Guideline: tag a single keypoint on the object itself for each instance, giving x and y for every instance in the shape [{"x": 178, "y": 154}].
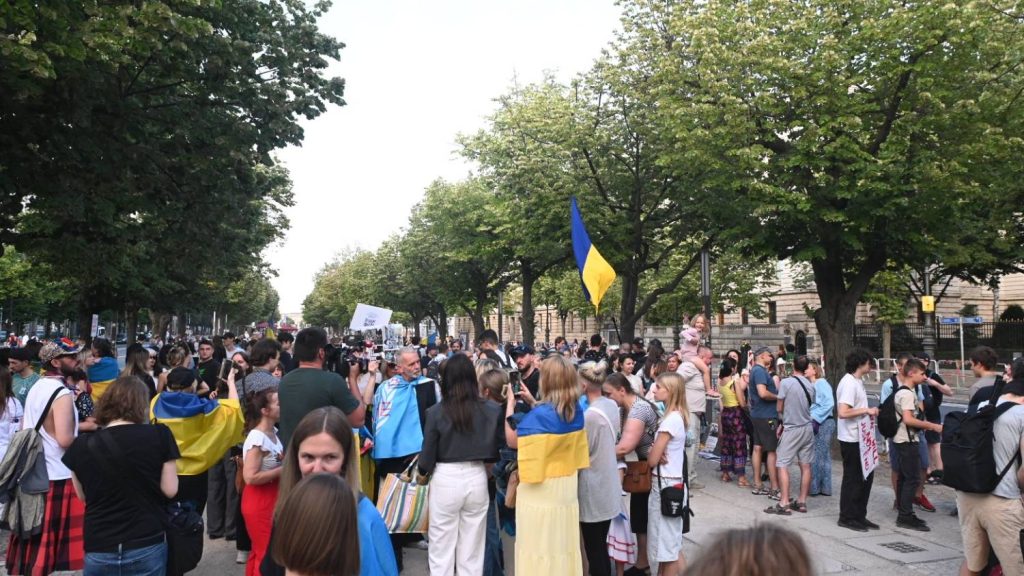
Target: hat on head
[
  {"x": 923, "y": 356},
  {"x": 56, "y": 349},
  {"x": 762, "y": 350},
  {"x": 180, "y": 378},
  {"x": 22, "y": 354},
  {"x": 523, "y": 350}
]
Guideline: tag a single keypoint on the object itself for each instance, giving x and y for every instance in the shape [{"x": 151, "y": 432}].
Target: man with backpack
[
  {"x": 888, "y": 387},
  {"x": 797, "y": 441},
  {"x": 907, "y": 442},
  {"x": 993, "y": 520}
]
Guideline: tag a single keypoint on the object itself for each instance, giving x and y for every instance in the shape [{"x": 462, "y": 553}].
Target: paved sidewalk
[
  {"x": 721, "y": 506},
  {"x": 883, "y": 552}
]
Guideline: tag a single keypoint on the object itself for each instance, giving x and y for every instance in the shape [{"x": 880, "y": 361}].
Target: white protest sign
[
  {"x": 370, "y": 318},
  {"x": 868, "y": 445}
]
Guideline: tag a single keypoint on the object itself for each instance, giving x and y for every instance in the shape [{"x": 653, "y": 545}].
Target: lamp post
[{"x": 928, "y": 307}]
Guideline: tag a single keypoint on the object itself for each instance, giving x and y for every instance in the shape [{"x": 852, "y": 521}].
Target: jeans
[
  {"x": 494, "y": 555},
  {"x": 910, "y": 478},
  {"x": 147, "y": 561},
  {"x": 821, "y": 469},
  {"x": 855, "y": 491}
]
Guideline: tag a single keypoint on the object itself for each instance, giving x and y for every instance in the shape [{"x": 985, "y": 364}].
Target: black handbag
[
  {"x": 183, "y": 524},
  {"x": 673, "y": 499}
]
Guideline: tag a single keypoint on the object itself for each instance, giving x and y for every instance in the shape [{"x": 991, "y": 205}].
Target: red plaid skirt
[{"x": 59, "y": 546}]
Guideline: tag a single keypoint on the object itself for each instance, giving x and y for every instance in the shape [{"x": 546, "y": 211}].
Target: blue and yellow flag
[
  {"x": 595, "y": 272},
  {"x": 101, "y": 375},
  {"x": 204, "y": 429},
  {"x": 550, "y": 447}
]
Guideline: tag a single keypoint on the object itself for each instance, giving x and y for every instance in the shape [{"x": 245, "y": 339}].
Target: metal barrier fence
[{"x": 1006, "y": 338}]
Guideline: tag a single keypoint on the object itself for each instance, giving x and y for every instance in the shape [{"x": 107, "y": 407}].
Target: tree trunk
[
  {"x": 416, "y": 328},
  {"x": 528, "y": 320},
  {"x": 85, "y": 323},
  {"x": 627, "y": 314},
  {"x": 477, "y": 315},
  {"x": 563, "y": 316},
  {"x": 131, "y": 324},
  {"x": 886, "y": 340}
]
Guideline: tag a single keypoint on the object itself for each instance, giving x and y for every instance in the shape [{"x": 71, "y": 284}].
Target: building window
[
  {"x": 773, "y": 313},
  {"x": 744, "y": 319}
]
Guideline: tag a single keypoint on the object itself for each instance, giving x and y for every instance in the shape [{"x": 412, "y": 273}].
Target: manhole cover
[{"x": 903, "y": 547}]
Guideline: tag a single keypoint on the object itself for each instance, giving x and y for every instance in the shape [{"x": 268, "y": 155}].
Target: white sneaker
[{"x": 242, "y": 557}]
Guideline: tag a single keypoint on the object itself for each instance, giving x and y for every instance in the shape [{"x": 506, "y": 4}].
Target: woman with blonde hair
[
  {"x": 764, "y": 549},
  {"x": 552, "y": 449},
  {"x": 664, "y": 544}
]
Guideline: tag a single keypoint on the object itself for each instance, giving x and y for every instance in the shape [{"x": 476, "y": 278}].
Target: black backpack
[
  {"x": 888, "y": 420},
  {"x": 968, "y": 455}
]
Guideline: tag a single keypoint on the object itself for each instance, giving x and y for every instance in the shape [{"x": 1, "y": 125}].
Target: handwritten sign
[
  {"x": 868, "y": 445},
  {"x": 369, "y": 317}
]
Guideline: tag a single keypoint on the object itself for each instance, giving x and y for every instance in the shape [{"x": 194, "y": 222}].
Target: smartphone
[
  {"x": 516, "y": 380},
  {"x": 224, "y": 368}
]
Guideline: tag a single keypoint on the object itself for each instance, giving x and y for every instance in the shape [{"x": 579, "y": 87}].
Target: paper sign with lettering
[
  {"x": 370, "y": 317},
  {"x": 868, "y": 445}
]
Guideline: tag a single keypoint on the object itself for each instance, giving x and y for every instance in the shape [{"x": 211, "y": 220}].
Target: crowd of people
[{"x": 585, "y": 455}]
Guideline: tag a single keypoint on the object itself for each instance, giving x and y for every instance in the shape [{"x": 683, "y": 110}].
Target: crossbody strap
[
  {"x": 46, "y": 410},
  {"x": 807, "y": 394}
]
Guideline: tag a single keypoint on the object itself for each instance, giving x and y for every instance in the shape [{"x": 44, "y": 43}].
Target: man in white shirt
[{"x": 852, "y": 401}]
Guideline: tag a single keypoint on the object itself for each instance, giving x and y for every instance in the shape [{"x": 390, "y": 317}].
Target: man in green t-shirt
[
  {"x": 22, "y": 374},
  {"x": 309, "y": 386}
]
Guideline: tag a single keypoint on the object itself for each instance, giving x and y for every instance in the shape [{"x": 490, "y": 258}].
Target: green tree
[
  {"x": 855, "y": 131},
  {"x": 523, "y": 158}
]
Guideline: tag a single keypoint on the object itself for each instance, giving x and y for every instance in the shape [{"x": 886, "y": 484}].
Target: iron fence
[{"x": 1006, "y": 338}]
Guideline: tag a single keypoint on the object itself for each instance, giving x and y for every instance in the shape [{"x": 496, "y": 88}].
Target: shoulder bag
[{"x": 637, "y": 479}]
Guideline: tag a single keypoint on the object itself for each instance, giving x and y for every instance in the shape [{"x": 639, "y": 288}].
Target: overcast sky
[{"x": 417, "y": 74}]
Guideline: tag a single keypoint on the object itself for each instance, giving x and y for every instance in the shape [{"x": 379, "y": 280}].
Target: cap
[
  {"x": 762, "y": 350},
  {"x": 522, "y": 350},
  {"x": 180, "y": 378},
  {"x": 56, "y": 349},
  {"x": 22, "y": 354},
  {"x": 923, "y": 356}
]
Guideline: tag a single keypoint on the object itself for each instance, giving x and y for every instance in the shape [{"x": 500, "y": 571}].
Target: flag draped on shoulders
[
  {"x": 397, "y": 430},
  {"x": 203, "y": 429},
  {"x": 550, "y": 447},
  {"x": 101, "y": 375}
]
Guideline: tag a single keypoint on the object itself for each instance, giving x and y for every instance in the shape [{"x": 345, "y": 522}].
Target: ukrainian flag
[
  {"x": 595, "y": 272},
  {"x": 550, "y": 447},
  {"x": 101, "y": 375},
  {"x": 203, "y": 429}
]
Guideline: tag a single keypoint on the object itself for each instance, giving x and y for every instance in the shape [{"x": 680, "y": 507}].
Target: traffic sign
[{"x": 966, "y": 320}]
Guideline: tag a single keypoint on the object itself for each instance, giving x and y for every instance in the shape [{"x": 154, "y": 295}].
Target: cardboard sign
[{"x": 370, "y": 318}]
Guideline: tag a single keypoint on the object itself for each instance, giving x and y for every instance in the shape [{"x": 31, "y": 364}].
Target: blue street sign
[{"x": 966, "y": 319}]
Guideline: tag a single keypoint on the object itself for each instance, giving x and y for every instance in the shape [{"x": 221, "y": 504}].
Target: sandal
[
  {"x": 778, "y": 509},
  {"x": 726, "y": 478},
  {"x": 760, "y": 491},
  {"x": 742, "y": 482},
  {"x": 798, "y": 507},
  {"x": 775, "y": 494}
]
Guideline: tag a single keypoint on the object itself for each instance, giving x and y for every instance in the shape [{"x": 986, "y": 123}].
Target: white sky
[{"x": 417, "y": 74}]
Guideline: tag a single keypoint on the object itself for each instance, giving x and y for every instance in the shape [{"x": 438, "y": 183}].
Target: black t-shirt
[
  {"x": 287, "y": 362},
  {"x": 532, "y": 383},
  {"x": 208, "y": 372},
  {"x": 113, "y": 517}
]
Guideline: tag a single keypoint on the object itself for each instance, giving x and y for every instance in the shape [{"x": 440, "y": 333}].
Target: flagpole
[{"x": 616, "y": 325}]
